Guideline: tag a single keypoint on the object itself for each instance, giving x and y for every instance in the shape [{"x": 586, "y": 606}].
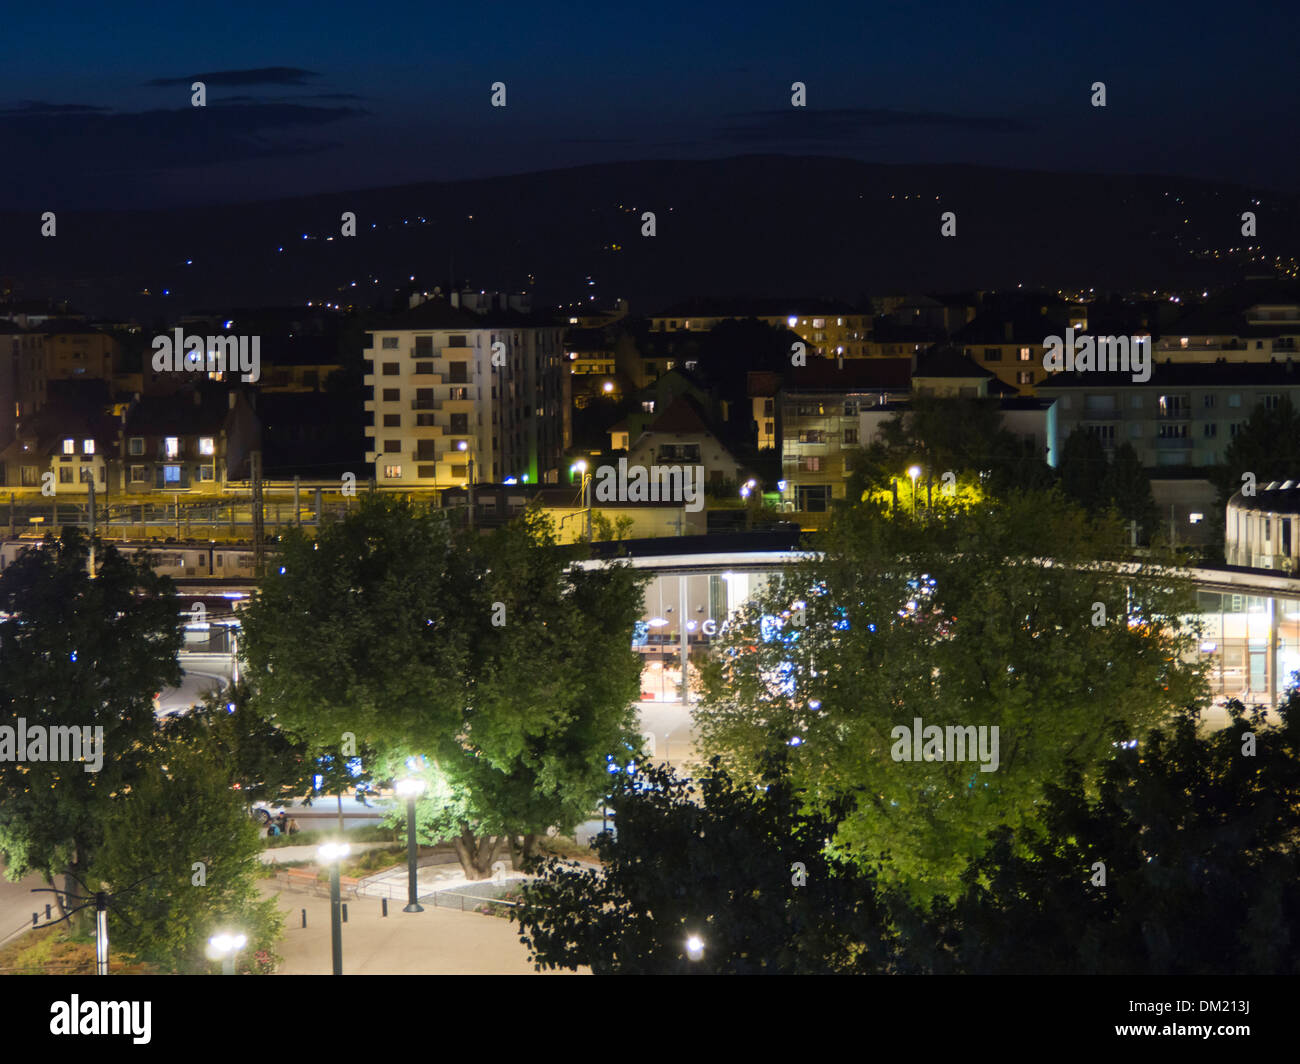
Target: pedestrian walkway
[
  {"x": 434, "y": 872},
  {"x": 434, "y": 942},
  {"x": 288, "y": 854}
]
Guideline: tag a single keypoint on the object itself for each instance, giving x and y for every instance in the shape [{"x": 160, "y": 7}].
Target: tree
[
  {"x": 1128, "y": 488},
  {"x": 180, "y": 855},
  {"x": 84, "y": 653},
  {"x": 265, "y": 764},
  {"x": 1007, "y": 615},
  {"x": 742, "y": 868},
  {"x": 1267, "y": 445},
  {"x": 1182, "y": 863},
  {"x": 1084, "y": 469},
  {"x": 958, "y": 435},
  {"x": 509, "y": 674}
]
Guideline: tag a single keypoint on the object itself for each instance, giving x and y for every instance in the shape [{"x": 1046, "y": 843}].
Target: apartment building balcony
[
  {"x": 1174, "y": 444},
  {"x": 424, "y": 404}
]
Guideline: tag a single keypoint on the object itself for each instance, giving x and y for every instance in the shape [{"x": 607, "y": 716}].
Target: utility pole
[
  {"x": 255, "y": 476},
  {"x": 88, "y": 475}
]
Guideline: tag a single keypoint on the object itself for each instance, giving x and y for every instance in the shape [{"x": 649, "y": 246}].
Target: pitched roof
[
  {"x": 682, "y": 416},
  {"x": 947, "y": 362}
]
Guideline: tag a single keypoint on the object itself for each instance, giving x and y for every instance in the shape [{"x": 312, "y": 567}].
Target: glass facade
[{"x": 1252, "y": 642}]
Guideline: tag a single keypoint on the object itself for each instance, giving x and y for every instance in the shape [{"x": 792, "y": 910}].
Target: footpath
[{"x": 441, "y": 940}]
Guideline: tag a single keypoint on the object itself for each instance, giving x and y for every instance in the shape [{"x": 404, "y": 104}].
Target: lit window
[
  {"x": 207, "y": 445},
  {"x": 392, "y": 472},
  {"x": 69, "y": 446},
  {"x": 136, "y": 445},
  {"x": 172, "y": 446},
  {"x": 171, "y": 474},
  {"x": 87, "y": 446}
]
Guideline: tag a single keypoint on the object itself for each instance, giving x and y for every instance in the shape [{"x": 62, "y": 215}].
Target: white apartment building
[{"x": 455, "y": 390}]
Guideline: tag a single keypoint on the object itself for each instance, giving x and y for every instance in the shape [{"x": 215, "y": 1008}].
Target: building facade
[
  {"x": 455, "y": 389},
  {"x": 1185, "y": 415}
]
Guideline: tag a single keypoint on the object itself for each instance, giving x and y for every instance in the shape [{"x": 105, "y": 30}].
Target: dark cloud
[
  {"x": 40, "y": 107},
  {"x": 258, "y": 76},
  {"x": 809, "y": 125},
  {"x": 98, "y": 141}
]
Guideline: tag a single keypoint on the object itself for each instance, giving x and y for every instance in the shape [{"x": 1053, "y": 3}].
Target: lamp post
[
  {"x": 746, "y": 490},
  {"x": 331, "y": 853},
  {"x": 223, "y": 947},
  {"x": 914, "y": 472},
  {"x": 580, "y": 466},
  {"x": 463, "y": 445},
  {"x": 411, "y": 788}
]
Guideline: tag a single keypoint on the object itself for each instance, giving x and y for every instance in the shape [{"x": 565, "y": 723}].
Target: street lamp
[
  {"x": 411, "y": 789},
  {"x": 580, "y": 466},
  {"x": 694, "y": 947},
  {"x": 914, "y": 472},
  {"x": 223, "y": 947},
  {"x": 331, "y": 853},
  {"x": 463, "y": 445}
]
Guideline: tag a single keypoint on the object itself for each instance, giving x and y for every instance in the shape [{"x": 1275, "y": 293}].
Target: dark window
[
  {"x": 992, "y": 354},
  {"x": 424, "y": 347},
  {"x": 392, "y": 395},
  {"x": 392, "y": 447},
  {"x": 459, "y": 424},
  {"x": 391, "y": 369},
  {"x": 392, "y": 421},
  {"x": 423, "y": 368},
  {"x": 458, "y": 372},
  {"x": 426, "y": 450},
  {"x": 458, "y": 341},
  {"x": 426, "y": 472}
]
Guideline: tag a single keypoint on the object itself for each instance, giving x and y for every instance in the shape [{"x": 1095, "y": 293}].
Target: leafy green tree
[
  {"x": 1084, "y": 469},
  {"x": 605, "y": 530},
  {"x": 1268, "y": 445},
  {"x": 510, "y": 674},
  {"x": 743, "y": 868},
  {"x": 1128, "y": 488},
  {"x": 182, "y": 852},
  {"x": 1005, "y": 615},
  {"x": 265, "y": 764},
  {"x": 959, "y": 435},
  {"x": 78, "y": 652},
  {"x": 1196, "y": 840}
]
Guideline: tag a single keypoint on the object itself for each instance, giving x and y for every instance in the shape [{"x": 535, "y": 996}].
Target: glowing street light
[
  {"x": 331, "y": 853},
  {"x": 223, "y": 947},
  {"x": 694, "y": 947},
  {"x": 411, "y": 789},
  {"x": 580, "y": 466},
  {"x": 914, "y": 472}
]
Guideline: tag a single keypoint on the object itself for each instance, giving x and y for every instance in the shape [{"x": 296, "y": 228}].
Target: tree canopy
[
  {"x": 508, "y": 672},
  {"x": 1006, "y": 615}
]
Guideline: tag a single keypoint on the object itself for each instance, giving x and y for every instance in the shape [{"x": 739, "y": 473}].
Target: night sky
[{"x": 322, "y": 97}]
